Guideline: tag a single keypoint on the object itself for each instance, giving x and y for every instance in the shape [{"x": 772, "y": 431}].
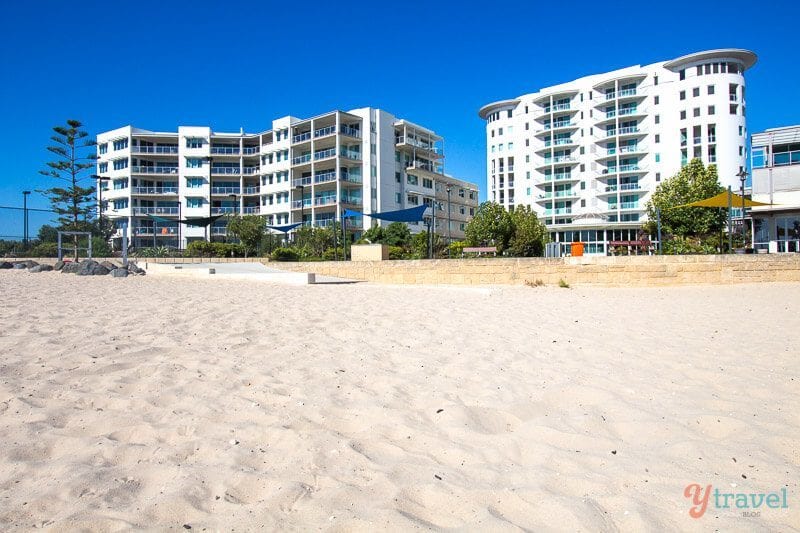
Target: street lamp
[
  {"x": 210, "y": 203},
  {"x": 233, "y": 199},
  {"x": 25, "y": 217},
  {"x": 100, "y": 180},
  {"x": 742, "y": 175}
]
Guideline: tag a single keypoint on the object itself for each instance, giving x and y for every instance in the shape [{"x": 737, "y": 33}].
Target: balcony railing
[
  {"x": 159, "y": 231},
  {"x": 225, "y": 190},
  {"x": 627, "y": 111},
  {"x": 558, "y": 176},
  {"x": 225, "y": 150},
  {"x": 301, "y": 181},
  {"x": 324, "y": 200},
  {"x": 250, "y": 150},
  {"x": 226, "y": 170},
  {"x": 172, "y": 149},
  {"x": 155, "y": 190},
  {"x": 300, "y": 137},
  {"x": 219, "y": 230},
  {"x": 698, "y": 140},
  {"x": 251, "y": 210},
  {"x": 155, "y": 211},
  {"x": 351, "y": 131},
  {"x": 557, "y": 107},
  {"x": 224, "y": 210},
  {"x": 250, "y": 170},
  {"x": 559, "y": 159},
  {"x": 250, "y": 190},
  {"x": 324, "y": 177},
  {"x": 402, "y": 139},
  {"x": 351, "y": 154},
  {"x": 622, "y": 131},
  {"x": 324, "y": 154},
  {"x": 352, "y": 178},
  {"x": 154, "y": 170},
  {"x": 300, "y": 159},
  {"x": 627, "y": 92},
  {"x": 558, "y": 211},
  {"x": 297, "y": 204},
  {"x": 562, "y": 124}
]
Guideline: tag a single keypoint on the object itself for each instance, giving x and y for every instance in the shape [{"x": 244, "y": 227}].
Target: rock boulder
[
  {"x": 59, "y": 265},
  {"x": 40, "y": 268},
  {"x": 120, "y": 273},
  {"x": 71, "y": 268}
]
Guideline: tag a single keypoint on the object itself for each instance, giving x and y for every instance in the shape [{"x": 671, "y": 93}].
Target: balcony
[
  {"x": 224, "y": 210},
  {"x": 559, "y": 125},
  {"x": 301, "y": 159},
  {"x": 297, "y": 182},
  {"x": 559, "y": 159},
  {"x": 219, "y": 230},
  {"x": 251, "y": 150},
  {"x": 155, "y": 190},
  {"x": 250, "y": 190},
  {"x": 351, "y": 131},
  {"x": 165, "y": 150},
  {"x": 138, "y": 211},
  {"x": 301, "y": 204},
  {"x": 351, "y": 178},
  {"x": 325, "y": 177},
  {"x": 154, "y": 170},
  {"x": 558, "y": 211},
  {"x": 558, "y": 176},
  {"x": 225, "y": 171},
  {"x": 557, "y": 107},
  {"x": 630, "y": 130},
  {"x": 251, "y": 210},
  {"x": 416, "y": 143},
  {"x": 324, "y": 200},
  {"x": 225, "y": 150},
  {"x": 351, "y": 154},
  {"x": 301, "y": 137},
  {"x": 225, "y": 190},
  {"x": 160, "y": 231},
  {"x": 351, "y": 200},
  {"x": 324, "y": 154},
  {"x": 250, "y": 170}
]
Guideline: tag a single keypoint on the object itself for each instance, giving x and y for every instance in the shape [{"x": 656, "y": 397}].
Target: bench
[{"x": 479, "y": 250}]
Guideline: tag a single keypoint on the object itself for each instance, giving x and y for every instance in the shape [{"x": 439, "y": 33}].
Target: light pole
[
  {"x": 742, "y": 175},
  {"x": 25, "y": 217},
  {"x": 233, "y": 198},
  {"x": 100, "y": 180}
]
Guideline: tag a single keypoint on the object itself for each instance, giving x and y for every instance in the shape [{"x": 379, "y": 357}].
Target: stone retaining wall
[{"x": 577, "y": 271}]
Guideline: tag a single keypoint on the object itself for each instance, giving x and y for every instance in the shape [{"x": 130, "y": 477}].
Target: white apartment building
[
  {"x": 587, "y": 154},
  {"x": 307, "y": 170},
  {"x": 776, "y": 181}
]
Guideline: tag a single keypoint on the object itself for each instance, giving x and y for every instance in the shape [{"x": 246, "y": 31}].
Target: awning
[
  {"x": 413, "y": 214},
  {"x": 285, "y": 229},
  {"x": 724, "y": 199}
]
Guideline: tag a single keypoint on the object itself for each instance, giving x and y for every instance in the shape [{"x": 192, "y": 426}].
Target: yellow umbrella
[{"x": 724, "y": 199}]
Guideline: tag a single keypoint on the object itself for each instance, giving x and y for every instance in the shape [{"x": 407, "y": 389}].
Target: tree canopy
[{"x": 694, "y": 182}]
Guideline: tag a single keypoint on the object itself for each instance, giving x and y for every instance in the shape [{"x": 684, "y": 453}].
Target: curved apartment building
[{"x": 587, "y": 154}]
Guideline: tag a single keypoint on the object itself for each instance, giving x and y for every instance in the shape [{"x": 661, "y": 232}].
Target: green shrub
[
  {"x": 285, "y": 254},
  {"x": 214, "y": 249},
  {"x": 397, "y": 252},
  {"x": 456, "y": 248},
  {"x": 332, "y": 254},
  {"x": 45, "y": 249},
  {"x": 689, "y": 246}
]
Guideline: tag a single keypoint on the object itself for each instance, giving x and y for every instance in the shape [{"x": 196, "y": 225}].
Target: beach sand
[{"x": 168, "y": 403}]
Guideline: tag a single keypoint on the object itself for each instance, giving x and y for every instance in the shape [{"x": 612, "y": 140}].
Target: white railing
[
  {"x": 351, "y": 154},
  {"x": 324, "y": 177},
  {"x": 155, "y": 190},
  {"x": 226, "y": 170},
  {"x": 300, "y": 137},
  {"x": 251, "y": 210},
  {"x": 250, "y": 190},
  {"x": 225, "y": 190},
  {"x": 352, "y": 178},
  {"x": 300, "y": 159},
  {"x": 154, "y": 170},
  {"x": 351, "y": 132},
  {"x": 155, "y": 211},
  {"x": 325, "y": 200},
  {"x": 322, "y": 132},
  {"x": 324, "y": 154},
  {"x": 251, "y": 150},
  {"x": 155, "y": 149},
  {"x": 225, "y": 150},
  {"x": 224, "y": 210}
]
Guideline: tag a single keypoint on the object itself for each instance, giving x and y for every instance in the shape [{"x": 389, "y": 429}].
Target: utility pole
[{"x": 25, "y": 217}]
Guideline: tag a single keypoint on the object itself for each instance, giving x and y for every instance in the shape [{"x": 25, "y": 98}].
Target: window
[
  {"x": 682, "y": 74},
  {"x": 683, "y": 115},
  {"x": 492, "y": 136},
  {"x": 699, "y": 70},
  {"x": 658, "y": 176},
  {"x": 528, "y": 175},
  {"x": 412, "y": 180},
  {"x": 194, "y": 183},
  {"x": 121, "y": 203},
  {"x": 103, "y": 167},
  {"x": 398, "y": 177},
  {"x": 509, "y": 113},
  {"x": 741, "y": 130},
  {"x": 510, "y": 146},
  {"x": 120, "y": 184},
  {"x": 658, "y": 119},
  {"x": 103, "y": 148},
  {"x": 119, "y": 164},
  {"x": 194, "y": 142},
  {"x": 194, "y": 202},
  {"x": 656, "y": 100},
  {"x": 527, "y": 142},
  {"x": 658, "y": 158},
  {"x": 120, "y": 144},
  {"x": 427, "y": 183},
  {"x": 412, "y": 199},
  {"x": 733, "y": 109},
  {"x": 528, "y": 158},
  {"x": 527, "y": 126},
  {"x": 741, "y": 150},
  {"x": 658, "y": 138},
  {"x": 759, "y": 157},
  {"x": 583, "y": 203},
  {"x": 711, "y": 110},
  {"x": 397, "y": 198},
  {"x": 194, "y": 162},
  {"x": 696, "y": 112},
  {"x": 710, "y": 89},
  {"x": 655, "y": 80},
  {"x": 499, "y": 131},
  {"x": 695, "y": 92},
  {"x": 683, "y": 95}
]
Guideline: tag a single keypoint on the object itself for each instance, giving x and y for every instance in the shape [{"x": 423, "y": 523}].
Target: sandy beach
[{"x": 230, "y": 405}]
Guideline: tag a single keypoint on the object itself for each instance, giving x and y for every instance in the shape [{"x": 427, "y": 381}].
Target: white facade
[
  {"x": 306, "y": 170},
  {"x": 587, "y": 154},
  {"x": 776, "y": 181}
]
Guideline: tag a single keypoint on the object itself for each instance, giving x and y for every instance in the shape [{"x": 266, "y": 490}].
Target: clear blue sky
[{"x": 234, "y": 64}]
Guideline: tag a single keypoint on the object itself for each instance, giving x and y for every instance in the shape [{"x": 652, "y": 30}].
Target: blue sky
[{"x": 241, "y": 64}]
